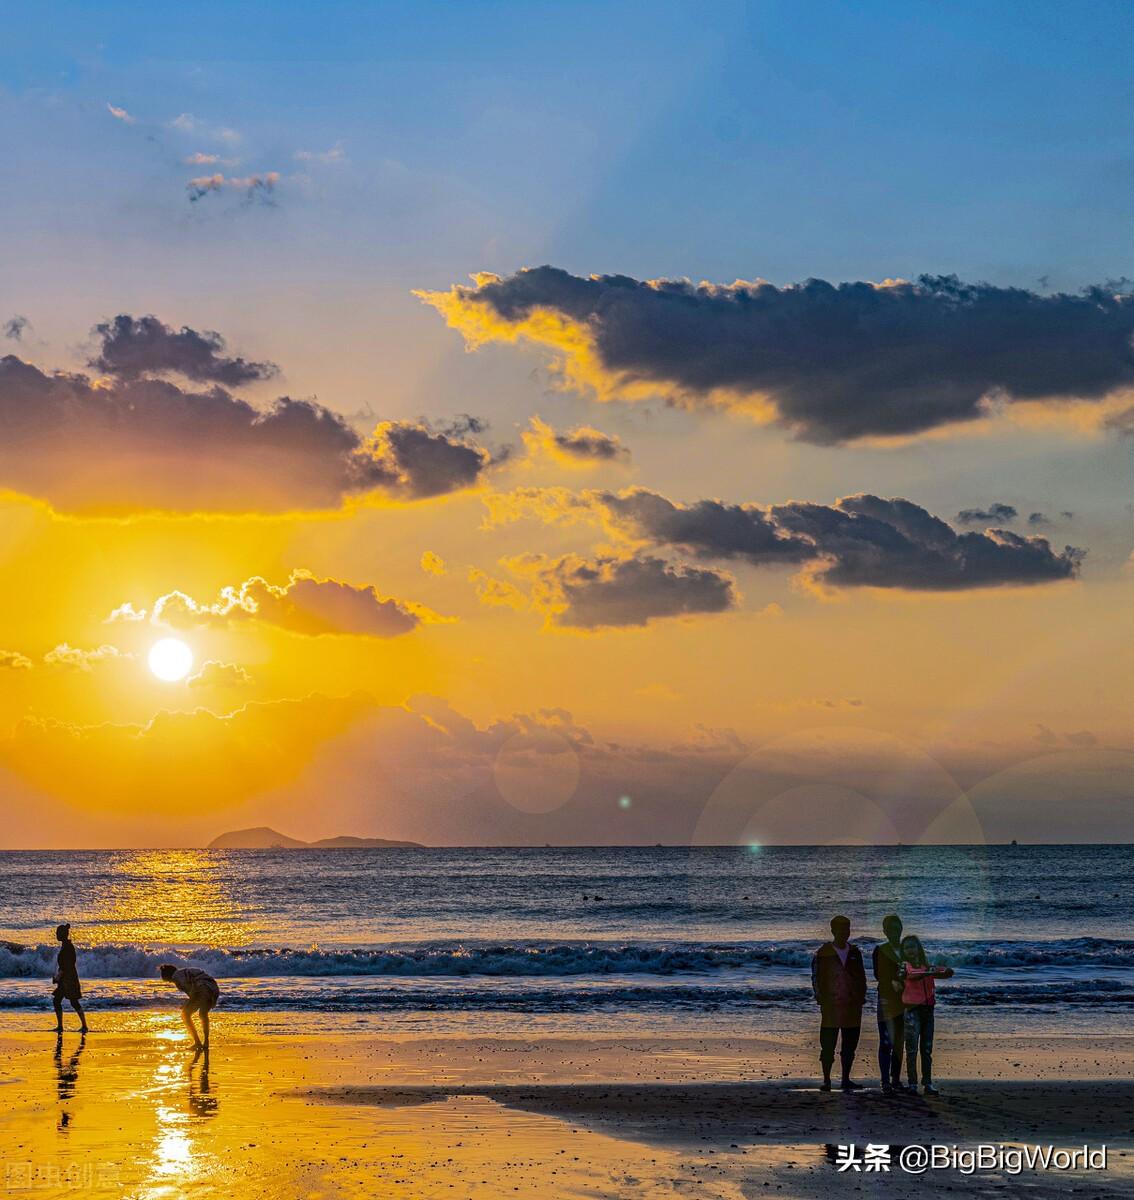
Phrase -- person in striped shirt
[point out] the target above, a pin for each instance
(203, 993)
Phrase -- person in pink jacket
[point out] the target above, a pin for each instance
(918, 985)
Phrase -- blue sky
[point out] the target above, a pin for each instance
(772, 139)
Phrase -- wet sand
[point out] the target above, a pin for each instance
(130, 1111)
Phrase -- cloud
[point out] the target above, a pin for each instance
(866, 541)
(15, 328)
(136, 346)
(188, 123)
(120, 114)
(127, 444)
(707, 528)
(304, 605)
(993, 513)
(65, 655)
(418, 461)
(253, 187)
(860, 541)
(433, 564)
(219, 674)
(610, 591)
(583, 446)
(830, 363)
(201, 159)
(13, 660)
(336, 154)
(497, 593)
(113, 768)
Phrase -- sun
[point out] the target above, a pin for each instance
(170, 659)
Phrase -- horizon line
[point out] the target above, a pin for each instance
(753, 847)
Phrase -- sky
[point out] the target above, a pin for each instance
(580, 423)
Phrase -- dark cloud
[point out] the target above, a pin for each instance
(417, 461)
(1039, 520)
(834, 362)
(583, 445)
(993, 513)
(866, 541)
(135, 346)
(613, 592)
(860, 541)
(145, 443)
(15, 328)
(304, 605)
(707, 528)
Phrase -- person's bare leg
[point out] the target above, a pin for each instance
(187, 1017)
(82, 1015)
(57, 1004)
(205, 1023)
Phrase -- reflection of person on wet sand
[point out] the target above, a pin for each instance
(66, 980)
(203, 993)
(200, 1100)
(66, 1076)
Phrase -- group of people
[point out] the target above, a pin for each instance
(906, 997)
(199, 986)
(903, 973)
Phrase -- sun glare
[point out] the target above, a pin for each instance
(170, 659)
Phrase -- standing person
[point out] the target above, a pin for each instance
(203, 993)
(66, 980)
(838, 982)
(887, 964)
(919, 997)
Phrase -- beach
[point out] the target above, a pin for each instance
(131, 1111)
(557, 1022)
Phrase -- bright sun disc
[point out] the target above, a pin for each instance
(170, 659)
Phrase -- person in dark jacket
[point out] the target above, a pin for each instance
(887, 964)
(66, 980)
(838, 982)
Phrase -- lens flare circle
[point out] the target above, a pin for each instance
(170, 659)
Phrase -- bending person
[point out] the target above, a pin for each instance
(66, 980)
(203, 993)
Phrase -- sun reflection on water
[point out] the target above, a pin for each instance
(172, 897)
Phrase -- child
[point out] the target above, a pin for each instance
(919, 998)
(203, 993)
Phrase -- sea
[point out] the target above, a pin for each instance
(557, 940)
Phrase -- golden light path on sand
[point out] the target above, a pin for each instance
(132, 1111)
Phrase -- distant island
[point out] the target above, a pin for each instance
(264, 838)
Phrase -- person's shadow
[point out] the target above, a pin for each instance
(66, 1079)
(202, 1102)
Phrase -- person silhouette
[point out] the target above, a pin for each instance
(838, 982)
(886, 962)
(66, 980)
(203, 993)
(919, 998)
